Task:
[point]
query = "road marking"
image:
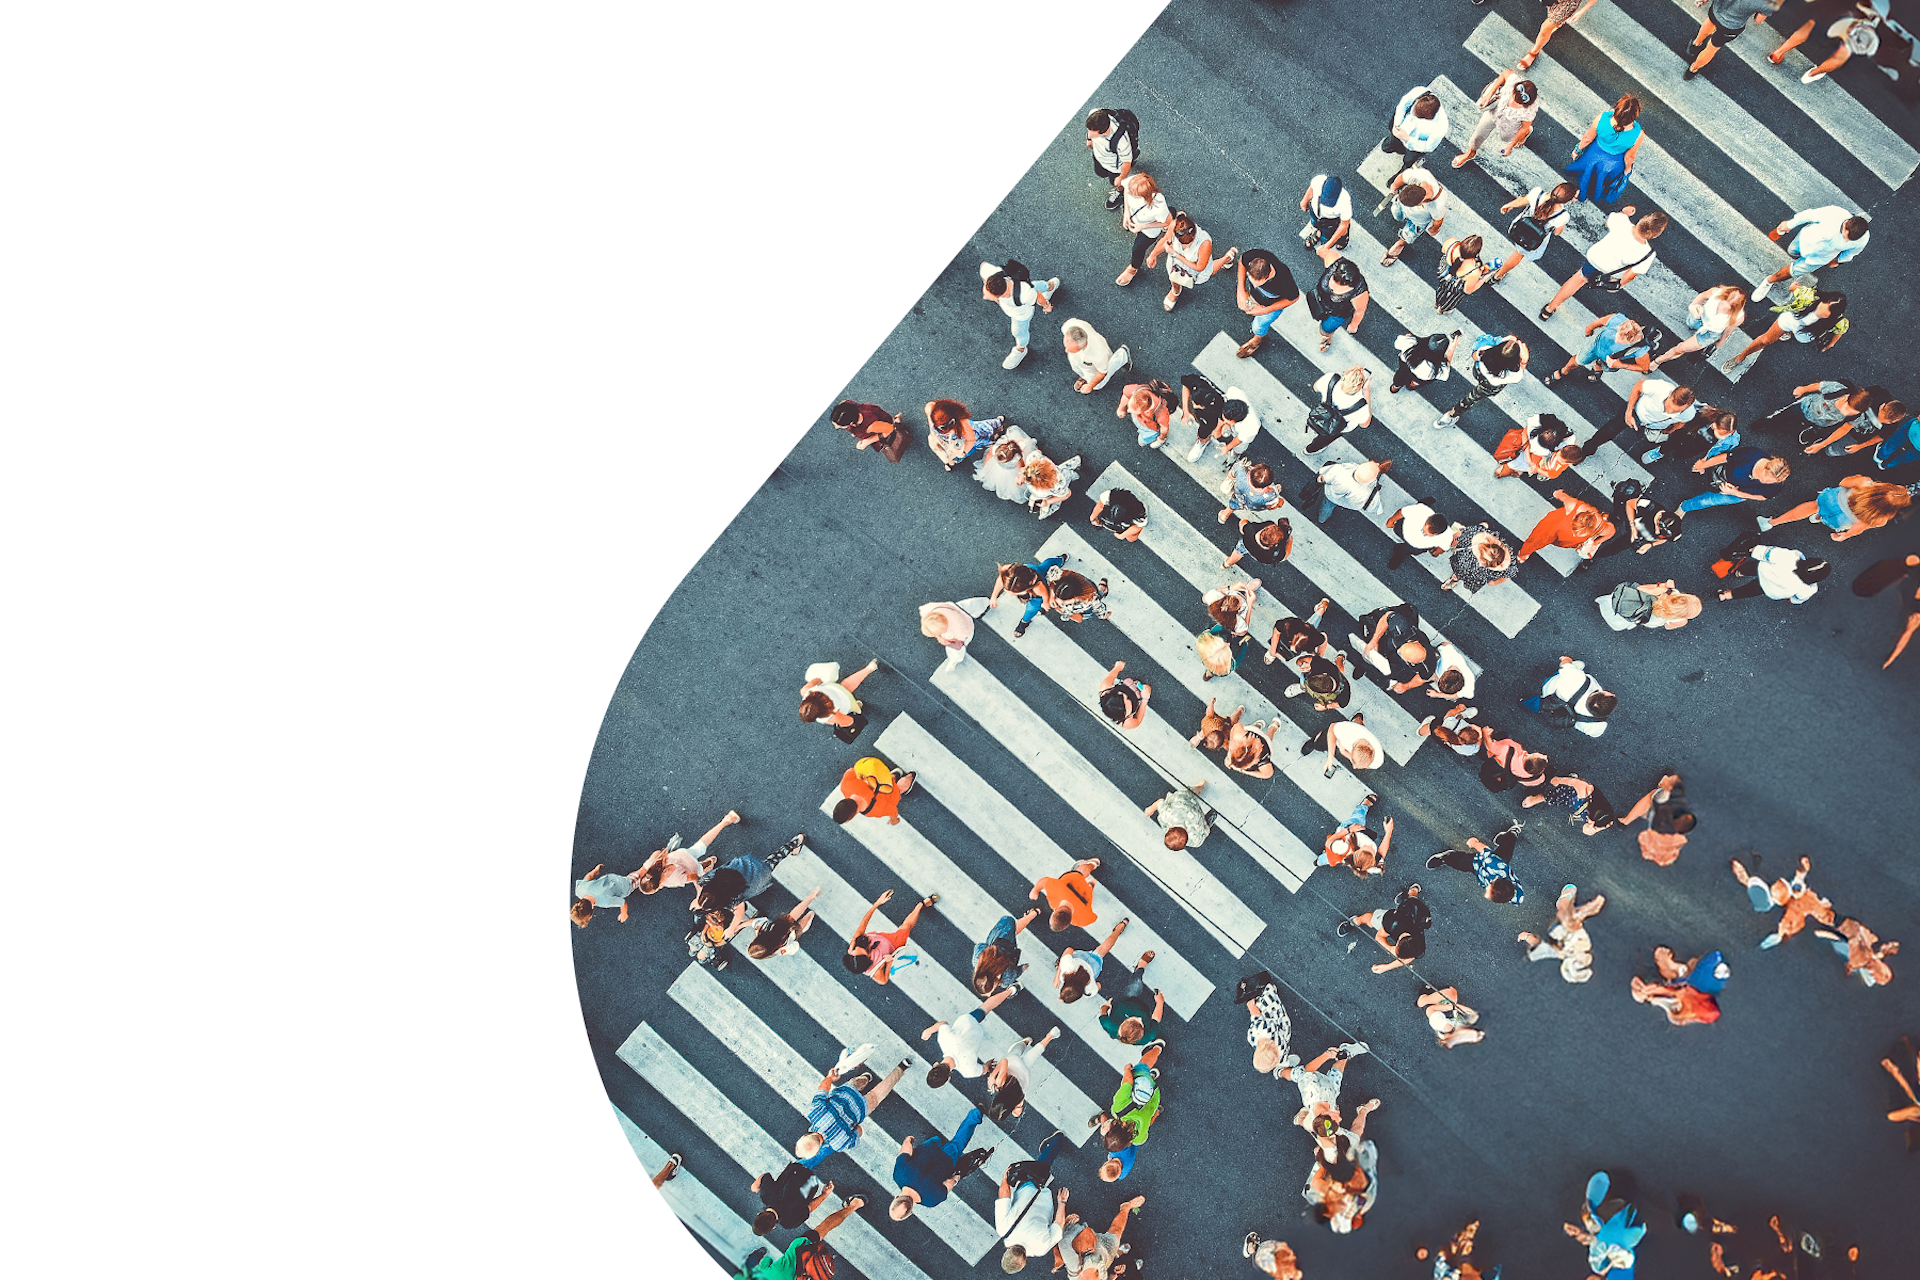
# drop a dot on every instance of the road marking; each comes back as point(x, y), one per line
point(1325, 562)
point(674, 1079)
point(699, 1210)
point(1032, 853)
point(1088, 792)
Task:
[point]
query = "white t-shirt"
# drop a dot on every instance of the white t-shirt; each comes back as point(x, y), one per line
point(1149, 216)
point(1413, 527)
point(1346, 733)
point(1248, 427)
point(1344, 490)
point(1566, 682)
point(1113, 149)
point(1651, 408)
point(1341, 208)
point(1018, 301)
point(1451, 659)
point(962, 1041)
point(1619, 247)
point(1037, 1232)
point(1777, 569)
point(1354, 408)
point(1091, 360)
point(1558, 222)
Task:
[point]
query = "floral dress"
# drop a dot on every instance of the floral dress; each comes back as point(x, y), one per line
point(1466, 565)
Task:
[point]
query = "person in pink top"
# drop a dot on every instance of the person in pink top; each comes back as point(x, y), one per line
point(951, 625)
point(674, 867)
point(872, 953)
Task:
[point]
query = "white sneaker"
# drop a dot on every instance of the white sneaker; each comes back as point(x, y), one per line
point(1293, 690)
point(1355, 1048)
point(1014, 357)
point(1052, 284)
point(1198, 451)
point(1439, 423)
point(1470, 713)
point(1764, 523)
point(1760, 291)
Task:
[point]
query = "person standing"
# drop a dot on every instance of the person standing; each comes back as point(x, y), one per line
point(950, 625)
point(1339, 298)
point(1088, 1254)
point(871, 428)
point(1420, 204)
point(1029, 1216)
point(1150, 406)
point(927, 1169)
point(1568, 940)
point(838, 1111)
point(828, 699)
point(1658, 605)
point(1346, 404)
point(1603, 158)
point(1421, 530)
point(871, 789)
point(1264, 288)
point(1422, 360)
point(1779, 573)
point(1571, 692)
point(1148, 217)
point(1355, 845)
point(1746, 474)
point(1329, 209)
point(954, 436)
point(1184, 817)
point(1250, 487)
point(1497, 363)
point(1616, 259)
point(1093, 362)
point(1419, 125)
point(1559, 14)
point(1113, 136)
point(1353, 485)
point(1121, 513)
point(1395, 646)
point(1725, 20)
point(872, 954)
point(1654, 408)
point(1491, 865)
point(1191, 260)
point(1822, 238)
point(1575, 525)
point(1013, 288)
point(1272, 1258)
point(1536, 445)
point(1542, 216)
point(1508, 106)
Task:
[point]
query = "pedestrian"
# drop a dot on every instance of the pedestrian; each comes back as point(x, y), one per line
point(1401, 929)
point(1350, 740)
point(1585, 803)
point(951, 626)
point(1395, 646)
point(1250, 748)
point(1507, 108)
point(1821, 238)
point(1559, 14)
point(1233, 432)
point(1615, 341)
point(1421, 530)
point(1452, 1022)
point(1093, 362)
point(1422, 360)
point(1136, 1103)
point(1863, 951)
point(954, 436)
point(1221, 649)
point(790, 1197)
point(874, 954)
point(1185, 818)
point(1339, 297)
point(1659, 605)
point(1298, 636)
point(1148, 404)
point(1249, 487)
point(1343, 1183)
point(1570, 697)
point(807, 1254)
point(1724, 22)
point(1050, 484)
point(1820, 411)
point(1214, 728)
point(1148, 217)
point(670, 868)
point(1030, 1217)
point(1454, 731)
point(1491, 865)
point(1121, 513)
point(1329, 209)
point(837, 1112)
point(1603, 158)
point(1711, 433)
point(1356, 846)
point(1011, 1076)
point(1346, 404)
point(1542, 446)
point(1419, 126)
point(1567, 941)
point(871, 428)
point(872, 789)
point(1113, 135)
point(1191, 260)
point(1835, 18)
point(1481, 559)
point(1867, 429)
point(1616, 259)
point(1495, 364)
point(1746, 474)
point(1850, 508)
point(667, 1170)
point(707, 940)
point(1076, 597)
point(1274, 1258)
point(1078, 972)
point(740, 877)
point(1322, 680)
point(1455, 678)
point(1690, 992)
point(1133, 1015)
point(962, 1040)
point(1542, 215)
point(780, 935)
point(1028, 584)
point(1002, 469)
point(1202, 406)
point(1779, 573)
point(1899, 445)
point(1655, 406)
point(1816, 316)
point(1123, 701)
point(1508, 764)
point(1609, 1228)
point(927, 1169)
point(1355, 486)
point(1461, 273)
point(1269, 1029)
point(1450, 1262)
point(1909, 1115)
point(829, 699)
point(1714, 315)
point(1264, 287)
point(1575, 524)
point(1094, 1255)
point(1419, 204)
point(1231, 606)
point(1668, 820)
point(1320, 1089)
point(1012, 287)
point(1796, 903)
point(1269, 542)
point(996, 960)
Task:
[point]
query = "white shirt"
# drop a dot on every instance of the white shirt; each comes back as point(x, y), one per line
point(1566, 682)
point(1651, 407)
point(1018, 301)
point(1037, 1233)
point(1344, 491)
point(1437, 204)
point(1113, 148)
point(1091, 360)
point(1354, 408)
point(1776, 568)
point(1451, 659)
point(1341, 209)
point(1619, 247)
point(1413, 529)
point(1820, 242)
point(1248, 427)
point(1424, 368)
point(1345, 733)
point(1422, 135)
point(1149, 216)
point(961, 1040)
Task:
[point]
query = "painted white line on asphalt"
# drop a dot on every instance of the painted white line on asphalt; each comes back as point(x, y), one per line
point(1863, 135)
point(1032, 853)
point(1088, 792)
point(698, 1209)
point(674, 1078)
point(1315, 553)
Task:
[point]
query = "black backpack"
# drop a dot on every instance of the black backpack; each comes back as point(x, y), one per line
point(1123, 508)
point(1527, 233)
point(1015, 272)
point(1129, 127)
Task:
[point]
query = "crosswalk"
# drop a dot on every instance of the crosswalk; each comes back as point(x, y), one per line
point(725, 1231)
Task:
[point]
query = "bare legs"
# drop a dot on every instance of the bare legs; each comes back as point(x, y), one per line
point(674, 1161)
point(1773, 334)
point(1112, 938)
point(718, 827)
point(852, 682)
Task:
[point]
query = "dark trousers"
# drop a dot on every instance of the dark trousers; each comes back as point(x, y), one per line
point(1038, 1169)
point(1462, 859)
point(1614, 426)
point(1143, 242)
point(1475, 394)
point(1394, 147)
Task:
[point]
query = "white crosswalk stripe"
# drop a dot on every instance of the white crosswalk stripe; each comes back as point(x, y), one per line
point(974, 912)
point(701, 1211)
point(1188, 553)
point(1666, 182)
point(1165, 747)
point(674, 1078)
point(1088, 792)
point(1031, 852)
point(1864, 135)
point(1665, 295)
point(1316, 554)
point(940, 995)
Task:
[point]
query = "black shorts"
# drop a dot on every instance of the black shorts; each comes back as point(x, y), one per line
point(1724, 36)
point(1104, 172)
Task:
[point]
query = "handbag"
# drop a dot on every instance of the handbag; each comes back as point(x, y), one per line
point(894, 447)
point(1323, 421)
point(1510, 445)
point(1612, 281)
point(1614, 187)
point(1315, 306)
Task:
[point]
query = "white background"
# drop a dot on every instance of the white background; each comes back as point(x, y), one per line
point(350, 357)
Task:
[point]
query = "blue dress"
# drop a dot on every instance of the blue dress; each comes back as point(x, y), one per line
point(1600, 171)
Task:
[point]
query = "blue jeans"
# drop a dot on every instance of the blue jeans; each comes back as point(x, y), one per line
point(963, 1135)
point(1035, 1171)
point(1325, 513)
point(1358, 818)
point(1332, 324)
point(1701, 501)
point(1034, 606)
point(1263, 322)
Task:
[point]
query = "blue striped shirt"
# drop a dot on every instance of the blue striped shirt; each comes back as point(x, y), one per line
point(834, 1114)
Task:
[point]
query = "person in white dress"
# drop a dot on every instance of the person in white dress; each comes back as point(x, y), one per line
point(1002, 468)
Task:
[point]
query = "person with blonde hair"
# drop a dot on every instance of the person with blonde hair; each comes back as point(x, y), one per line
point(1346, 404)
point(1567, 941)
point(1049, 483)
point(1615, 341)
point(1481, 559)
point(950, 625)
point(1658, 605)
point(1269, 1029)
point(1150, 405)
point(1714, 315)
point(1093, 362)
point(1849, 508)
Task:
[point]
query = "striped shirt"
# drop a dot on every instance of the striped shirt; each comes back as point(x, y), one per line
point(834, 1114)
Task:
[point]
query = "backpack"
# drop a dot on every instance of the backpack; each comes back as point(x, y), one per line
point(1129, 128)
point(1123, 508)
point(1017, 273)
point(1631, 603)
point(1527, 233)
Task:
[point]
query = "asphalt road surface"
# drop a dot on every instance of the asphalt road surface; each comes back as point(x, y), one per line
point(1791, 738)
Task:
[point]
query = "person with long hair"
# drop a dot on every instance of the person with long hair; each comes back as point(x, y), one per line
point(674, 867)
point(1049, 483)
point(1077, 597)
point(871, 953)
point(871, 428)
point(1849, 508)
point(1507, 106)
point(1016, 293)
point(1191, 260)
point(1010, 1077)
point(828, 697)
point(1603, 158)
point(1124, 702)
point(1002, 468)
point(1250, 749)
point(1496, 364)
point(1027, 583)
point(1078, 972)
point(1817, 316)
point(1559, 14)
point(1148, 217)
point(996, 961)
point(1714, 315)
point(1539, 216)
point(954, 436)
point(1339, 297)
point(780, 935)
point(1150, 405)
point(1461, 273)
point(1481, 559)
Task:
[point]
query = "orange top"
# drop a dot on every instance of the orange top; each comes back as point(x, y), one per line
point(1556, 528)
point(875, 801)
point(1072, 891)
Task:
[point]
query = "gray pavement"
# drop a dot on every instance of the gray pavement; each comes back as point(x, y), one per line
point(1791, 739)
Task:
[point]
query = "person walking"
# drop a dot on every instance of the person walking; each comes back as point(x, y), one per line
point(1149, 404)
point(1419, 204)
point(1269, 542)
point(927, 1169)
point(1451, 1021)
point(780, 935)
point(1269, 1029)
point(1796, 903)
point(1350, 740)
point(951, 626)
point(871, 428)
point(1615, 341)
point(962, 1041)
point(1724, 21)
point(1655, 406)
point(1319, 1083)
point(954, 436)
point(1496, 364)
point(1820, 411)
point(1573, 695)
point(739, 878)
point(1272, 1258)
point(1455, 678)
point(1541, 448)
point(1191, 260)
point(1076, 597)
point(1865, 955)
point(1658, 605)
point(1132, 1016)
point(1480, 560)
point(1322, 680)
point(1346, 404)
point(1078, 972)
point(1338, 298)
point(1714, 315)
point(1690, 992)
point(1451, 728)
point(1584, 802)
point(1419, 126)
point(1461, 273)
point(1012, 287)
point(1421, 530)
point(1122, 701)
point(1329, 209)
point(1821, 238)
point(1576, 525)
point(1298, 636)
point(1029, 1216)
point(1899, 445)
point(1249, 487)
point(1113, 136)
point(872, 953)
point(1616, 259)
point(1668, 820)
point(1711, 433)
point(1088, 1254)
point(1250, 748)
point(1355, 845)
point(1093, 362)
point(1603, 158)
point(790, 1198)
point(1264, 287)
point(1027, 583)
point(1541, 215)
point(1507, 108)
point(1010, 1077)
point(996, 959)
point(1184, 817)
point(1746, 474)
point(1849, 508)
point(1121, 513)
point(1808, 315)
point(1491, 865)
point(1508, 764)
point(872, 789)
point(1422, 360)
point(1214, 415)
point(1779, 573)
point(1395, 647)
point(1353, 485)
point(670, 868)
point(1136, 1103)
point(827, 698)
point(1867, 429)
point(1148, 217)
point(1567, 941)
point(1400, 929)
point(838, 1111)
point(1559, 14)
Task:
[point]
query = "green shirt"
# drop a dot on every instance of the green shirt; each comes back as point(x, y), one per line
point(1142, 1117)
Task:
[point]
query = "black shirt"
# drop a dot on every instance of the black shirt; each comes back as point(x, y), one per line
point(1122, 511)
point(1205, 400)
point(1403, 624)
point(1279, 287)
point(786, 1194)
point(1297, 636)
point(1339, 304)
point(1409, 915)
point(1250, 539)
